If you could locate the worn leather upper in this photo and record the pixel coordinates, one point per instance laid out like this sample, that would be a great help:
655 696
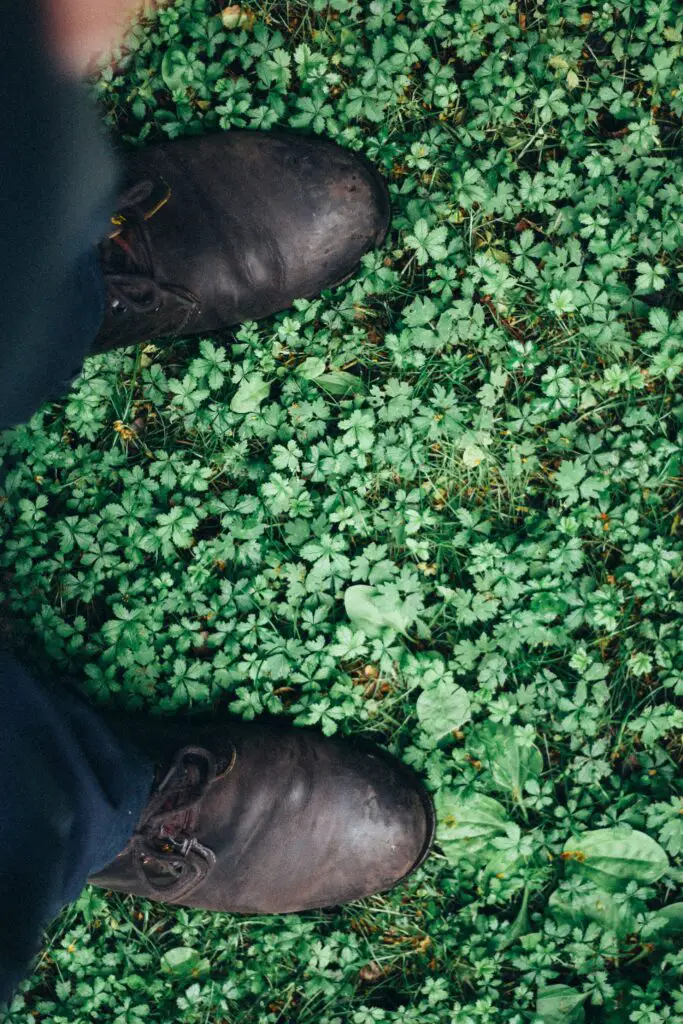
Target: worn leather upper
215 230
261 818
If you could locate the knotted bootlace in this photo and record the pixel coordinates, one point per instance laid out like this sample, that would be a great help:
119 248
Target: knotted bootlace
167 855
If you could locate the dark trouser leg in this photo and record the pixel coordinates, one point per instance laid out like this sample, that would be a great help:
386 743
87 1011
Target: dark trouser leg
58 180
72 794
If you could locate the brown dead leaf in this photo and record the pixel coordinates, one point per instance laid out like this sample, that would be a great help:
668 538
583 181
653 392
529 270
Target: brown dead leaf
371 972
234 17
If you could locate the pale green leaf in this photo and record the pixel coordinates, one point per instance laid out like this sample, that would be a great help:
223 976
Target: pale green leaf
467 826
180 959
252 391
613 857
665 922
511 764
443 708
311 368
339 382
371 611
597 906
560 1004
473 455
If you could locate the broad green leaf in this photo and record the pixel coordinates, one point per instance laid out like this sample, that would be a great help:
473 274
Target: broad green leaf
663 923
443 708
568 478
473 455
613 857
174 67
511 764
311 368
252 391
520 926
598 906
560 1004
180 959
467 825
548 605
371 611
505 863
339 382
650 279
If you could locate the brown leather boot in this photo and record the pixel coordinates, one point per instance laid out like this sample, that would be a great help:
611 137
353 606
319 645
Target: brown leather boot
218 229
261 818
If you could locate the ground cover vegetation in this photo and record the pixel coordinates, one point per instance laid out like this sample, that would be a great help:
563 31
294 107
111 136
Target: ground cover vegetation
439 506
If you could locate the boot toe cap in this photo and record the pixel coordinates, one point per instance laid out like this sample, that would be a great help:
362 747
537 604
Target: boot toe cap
251 222
341 210
345 821
392 834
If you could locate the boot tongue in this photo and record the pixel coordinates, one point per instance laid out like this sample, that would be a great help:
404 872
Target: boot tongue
173 811
124 255
141 304
181 786
139 202
126 250
180 798
185 782
166 851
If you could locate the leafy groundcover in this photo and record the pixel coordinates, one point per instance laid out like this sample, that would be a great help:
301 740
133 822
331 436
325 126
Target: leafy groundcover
439 506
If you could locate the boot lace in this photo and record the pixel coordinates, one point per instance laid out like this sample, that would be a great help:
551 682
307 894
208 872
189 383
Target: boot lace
127 250
167 856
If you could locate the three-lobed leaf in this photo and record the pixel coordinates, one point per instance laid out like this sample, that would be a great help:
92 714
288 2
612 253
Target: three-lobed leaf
443 708
253 390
